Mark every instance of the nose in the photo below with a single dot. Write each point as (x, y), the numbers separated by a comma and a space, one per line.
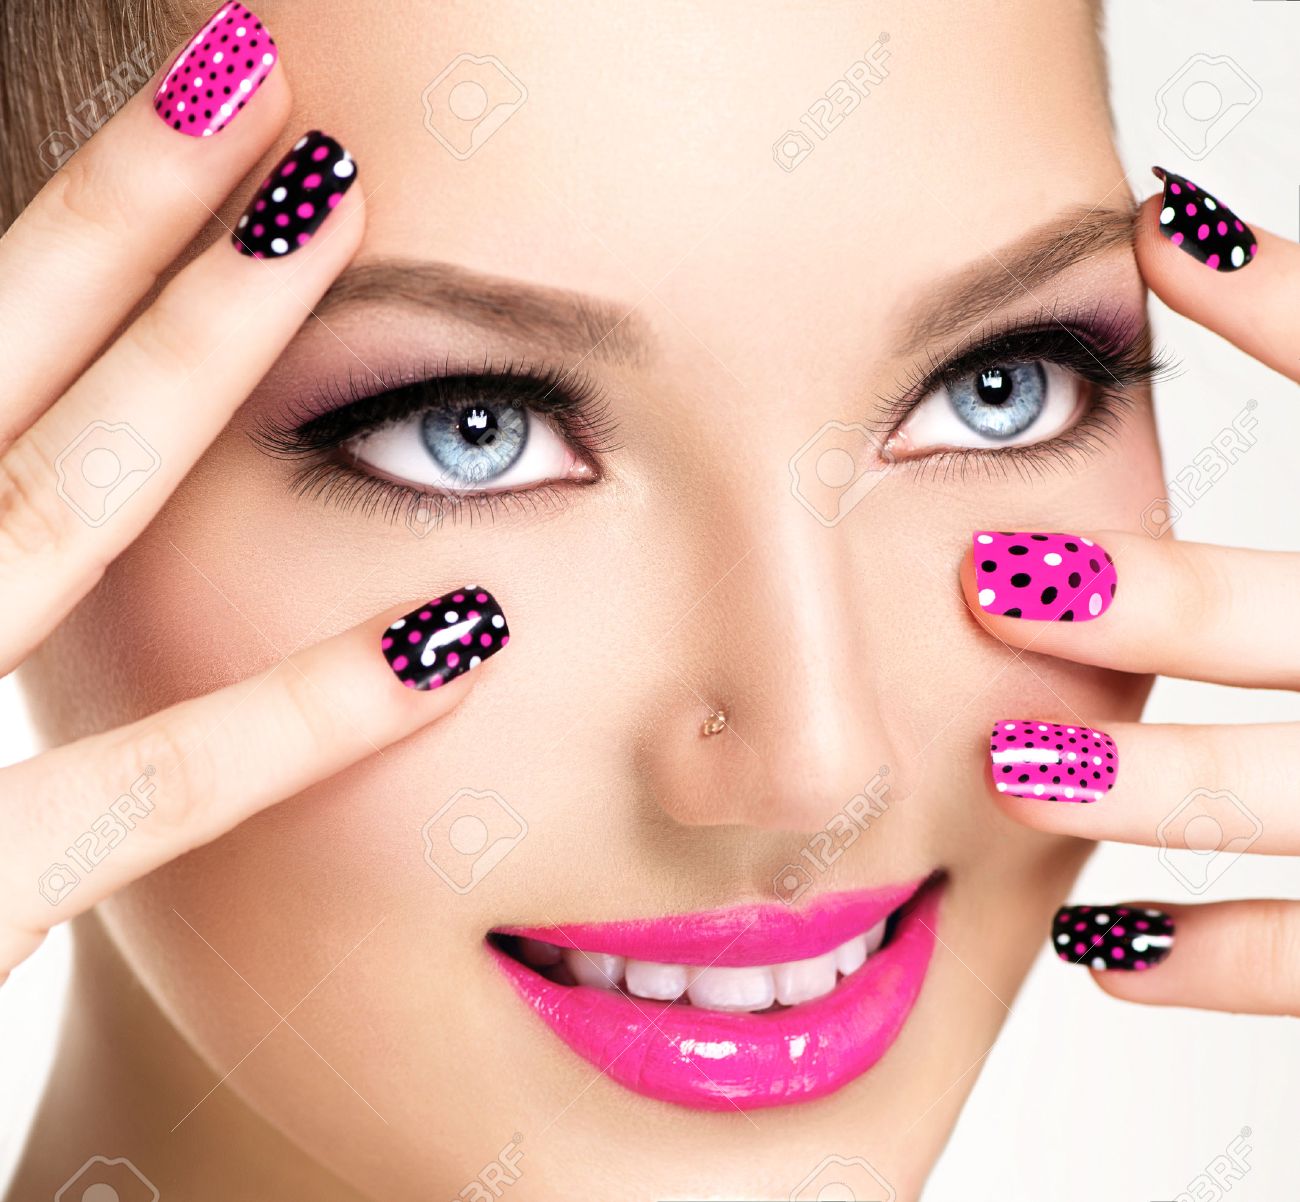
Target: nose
(779, 642)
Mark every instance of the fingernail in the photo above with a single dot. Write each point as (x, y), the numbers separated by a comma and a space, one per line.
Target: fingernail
(214, 76)
(1125, 937)
(1200, 224)
(445, 638)
(1045, 577)
(296, 197)
(1050, 762)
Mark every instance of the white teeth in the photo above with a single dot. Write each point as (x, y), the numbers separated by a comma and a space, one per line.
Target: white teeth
(595, 968)
(851, 955)
(876, 936)
(803, 980)
(733, 988)
(656, 982)
(539, 954)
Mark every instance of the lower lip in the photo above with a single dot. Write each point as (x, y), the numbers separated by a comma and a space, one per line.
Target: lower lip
(710, 1060)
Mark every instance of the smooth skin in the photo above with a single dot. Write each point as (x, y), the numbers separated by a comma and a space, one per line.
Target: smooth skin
(1213, 602)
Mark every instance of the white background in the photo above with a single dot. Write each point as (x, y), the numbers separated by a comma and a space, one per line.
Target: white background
(1082, 1098)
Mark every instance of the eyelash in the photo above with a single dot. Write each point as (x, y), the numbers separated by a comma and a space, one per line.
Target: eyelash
(1102, 350)
(315, 432)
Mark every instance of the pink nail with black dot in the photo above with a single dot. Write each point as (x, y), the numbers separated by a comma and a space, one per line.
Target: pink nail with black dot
(446, 638)
(1202, 225)
(292, 202)
(1048, 761)
(1043, 577)
(217, 72)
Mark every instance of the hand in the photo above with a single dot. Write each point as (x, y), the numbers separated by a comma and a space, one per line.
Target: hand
(73, 268)
(1179, 609)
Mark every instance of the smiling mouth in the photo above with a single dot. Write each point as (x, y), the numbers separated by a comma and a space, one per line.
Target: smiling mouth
(744, 1007)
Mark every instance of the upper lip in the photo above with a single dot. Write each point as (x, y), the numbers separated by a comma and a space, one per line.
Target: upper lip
(737, 936)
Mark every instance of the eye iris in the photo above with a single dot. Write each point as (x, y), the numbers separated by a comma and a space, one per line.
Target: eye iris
(477, 443)
(1000, 401)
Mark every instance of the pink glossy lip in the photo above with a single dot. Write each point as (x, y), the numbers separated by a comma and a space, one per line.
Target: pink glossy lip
(710, 1060)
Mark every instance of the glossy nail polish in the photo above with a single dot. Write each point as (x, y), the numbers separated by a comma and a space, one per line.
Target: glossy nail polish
(214, 76)
(295, 198)
(445, 638)
(1108, 937)
(1045, 577)
(1200, 224)
(1050, 762)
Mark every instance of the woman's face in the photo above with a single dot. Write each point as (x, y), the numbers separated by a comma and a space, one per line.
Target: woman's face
(742, 514)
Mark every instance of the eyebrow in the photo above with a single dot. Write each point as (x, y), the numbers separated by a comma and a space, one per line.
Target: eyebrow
(570, 321)
(957, 304)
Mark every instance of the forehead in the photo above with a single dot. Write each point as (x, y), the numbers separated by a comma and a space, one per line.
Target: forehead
(823, 153)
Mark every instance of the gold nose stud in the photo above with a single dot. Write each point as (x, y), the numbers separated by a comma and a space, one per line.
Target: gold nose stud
(714, 724)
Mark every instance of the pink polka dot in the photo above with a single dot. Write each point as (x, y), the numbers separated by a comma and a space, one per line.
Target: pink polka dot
(257, 208)
(452, 659)
(413, 637)
(467, 639)
(436, 601)
(425, 615)
(436, 682)
(1139, 964)
(1175, 189)
(258, 230)
(290, 167)
(282, 219)
(410, 684)
(473, 614)
(1238, 224)
(386, 644)
(1177, 239)
(1117, 953)
(303, 239)
(1253, 249)
(458, 597)
(1096, 939)
(1117, 930)
(1212, 262)
(1202, 232)
(400, 662)
(320, 152)
(335, 197)
(1079, 949)
(1142, 924)
(312, 181)
(1222, 227)
(1191, 209)
(305, 210)
(480, 597)
(485, 640)
(505, 640)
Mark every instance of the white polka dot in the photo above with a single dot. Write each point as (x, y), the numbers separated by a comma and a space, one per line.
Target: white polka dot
(1069, 730)
(451, 616)
(1008, 726)
(1094, 604)
(1069, 755)
(498, 621)
(398, 624)
(1096, 759)
(1151, 913)
(246, 85)
(1101, 919)
(343, 168)
(216, 58)
(1042, 728)
(1052, 559)
(1140, 943)
(180, 106)
(474, 661)
(268, 59)
(207, 133)
(243, 221)
(1238, 256)
(1038, 790)
(1087, 542)
(1166, 215)
(984, 538)
(1209, 203)
(198, 81)
(227, 109)
(239, 33)
(1069, 794)
(1001, 787)
(279, 245)
(1063, 938)
(1098, 962)
(279, 194)
(987, 596)
(300, 143)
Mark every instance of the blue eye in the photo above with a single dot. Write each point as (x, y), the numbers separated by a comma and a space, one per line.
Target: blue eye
(475, 444)
(998, 405)
(1000, 401)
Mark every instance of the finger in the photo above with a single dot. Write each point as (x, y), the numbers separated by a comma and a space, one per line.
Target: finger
(1239, 956)
(186, 775)
(1204, 262)
(1219, 791)
(1201, 612)
(110, 221)
(162, 392)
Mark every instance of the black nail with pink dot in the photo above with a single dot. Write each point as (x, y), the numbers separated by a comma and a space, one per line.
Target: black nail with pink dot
(1203, 225)
(446, 638)
(1127, 938)
(302, 190)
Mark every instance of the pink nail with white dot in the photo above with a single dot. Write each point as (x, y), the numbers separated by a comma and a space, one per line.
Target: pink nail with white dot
(217, 72)
(1050, 761)
(1043, 577)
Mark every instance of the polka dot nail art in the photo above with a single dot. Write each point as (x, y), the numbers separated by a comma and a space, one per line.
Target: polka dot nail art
(1050, 762)
(1045, 577)
(296, 197)
(217, 72)
(1203, 226)
(1129, 938)
(445, 638)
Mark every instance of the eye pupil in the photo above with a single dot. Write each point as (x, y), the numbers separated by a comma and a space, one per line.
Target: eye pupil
(993, 386)
(478, 427)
